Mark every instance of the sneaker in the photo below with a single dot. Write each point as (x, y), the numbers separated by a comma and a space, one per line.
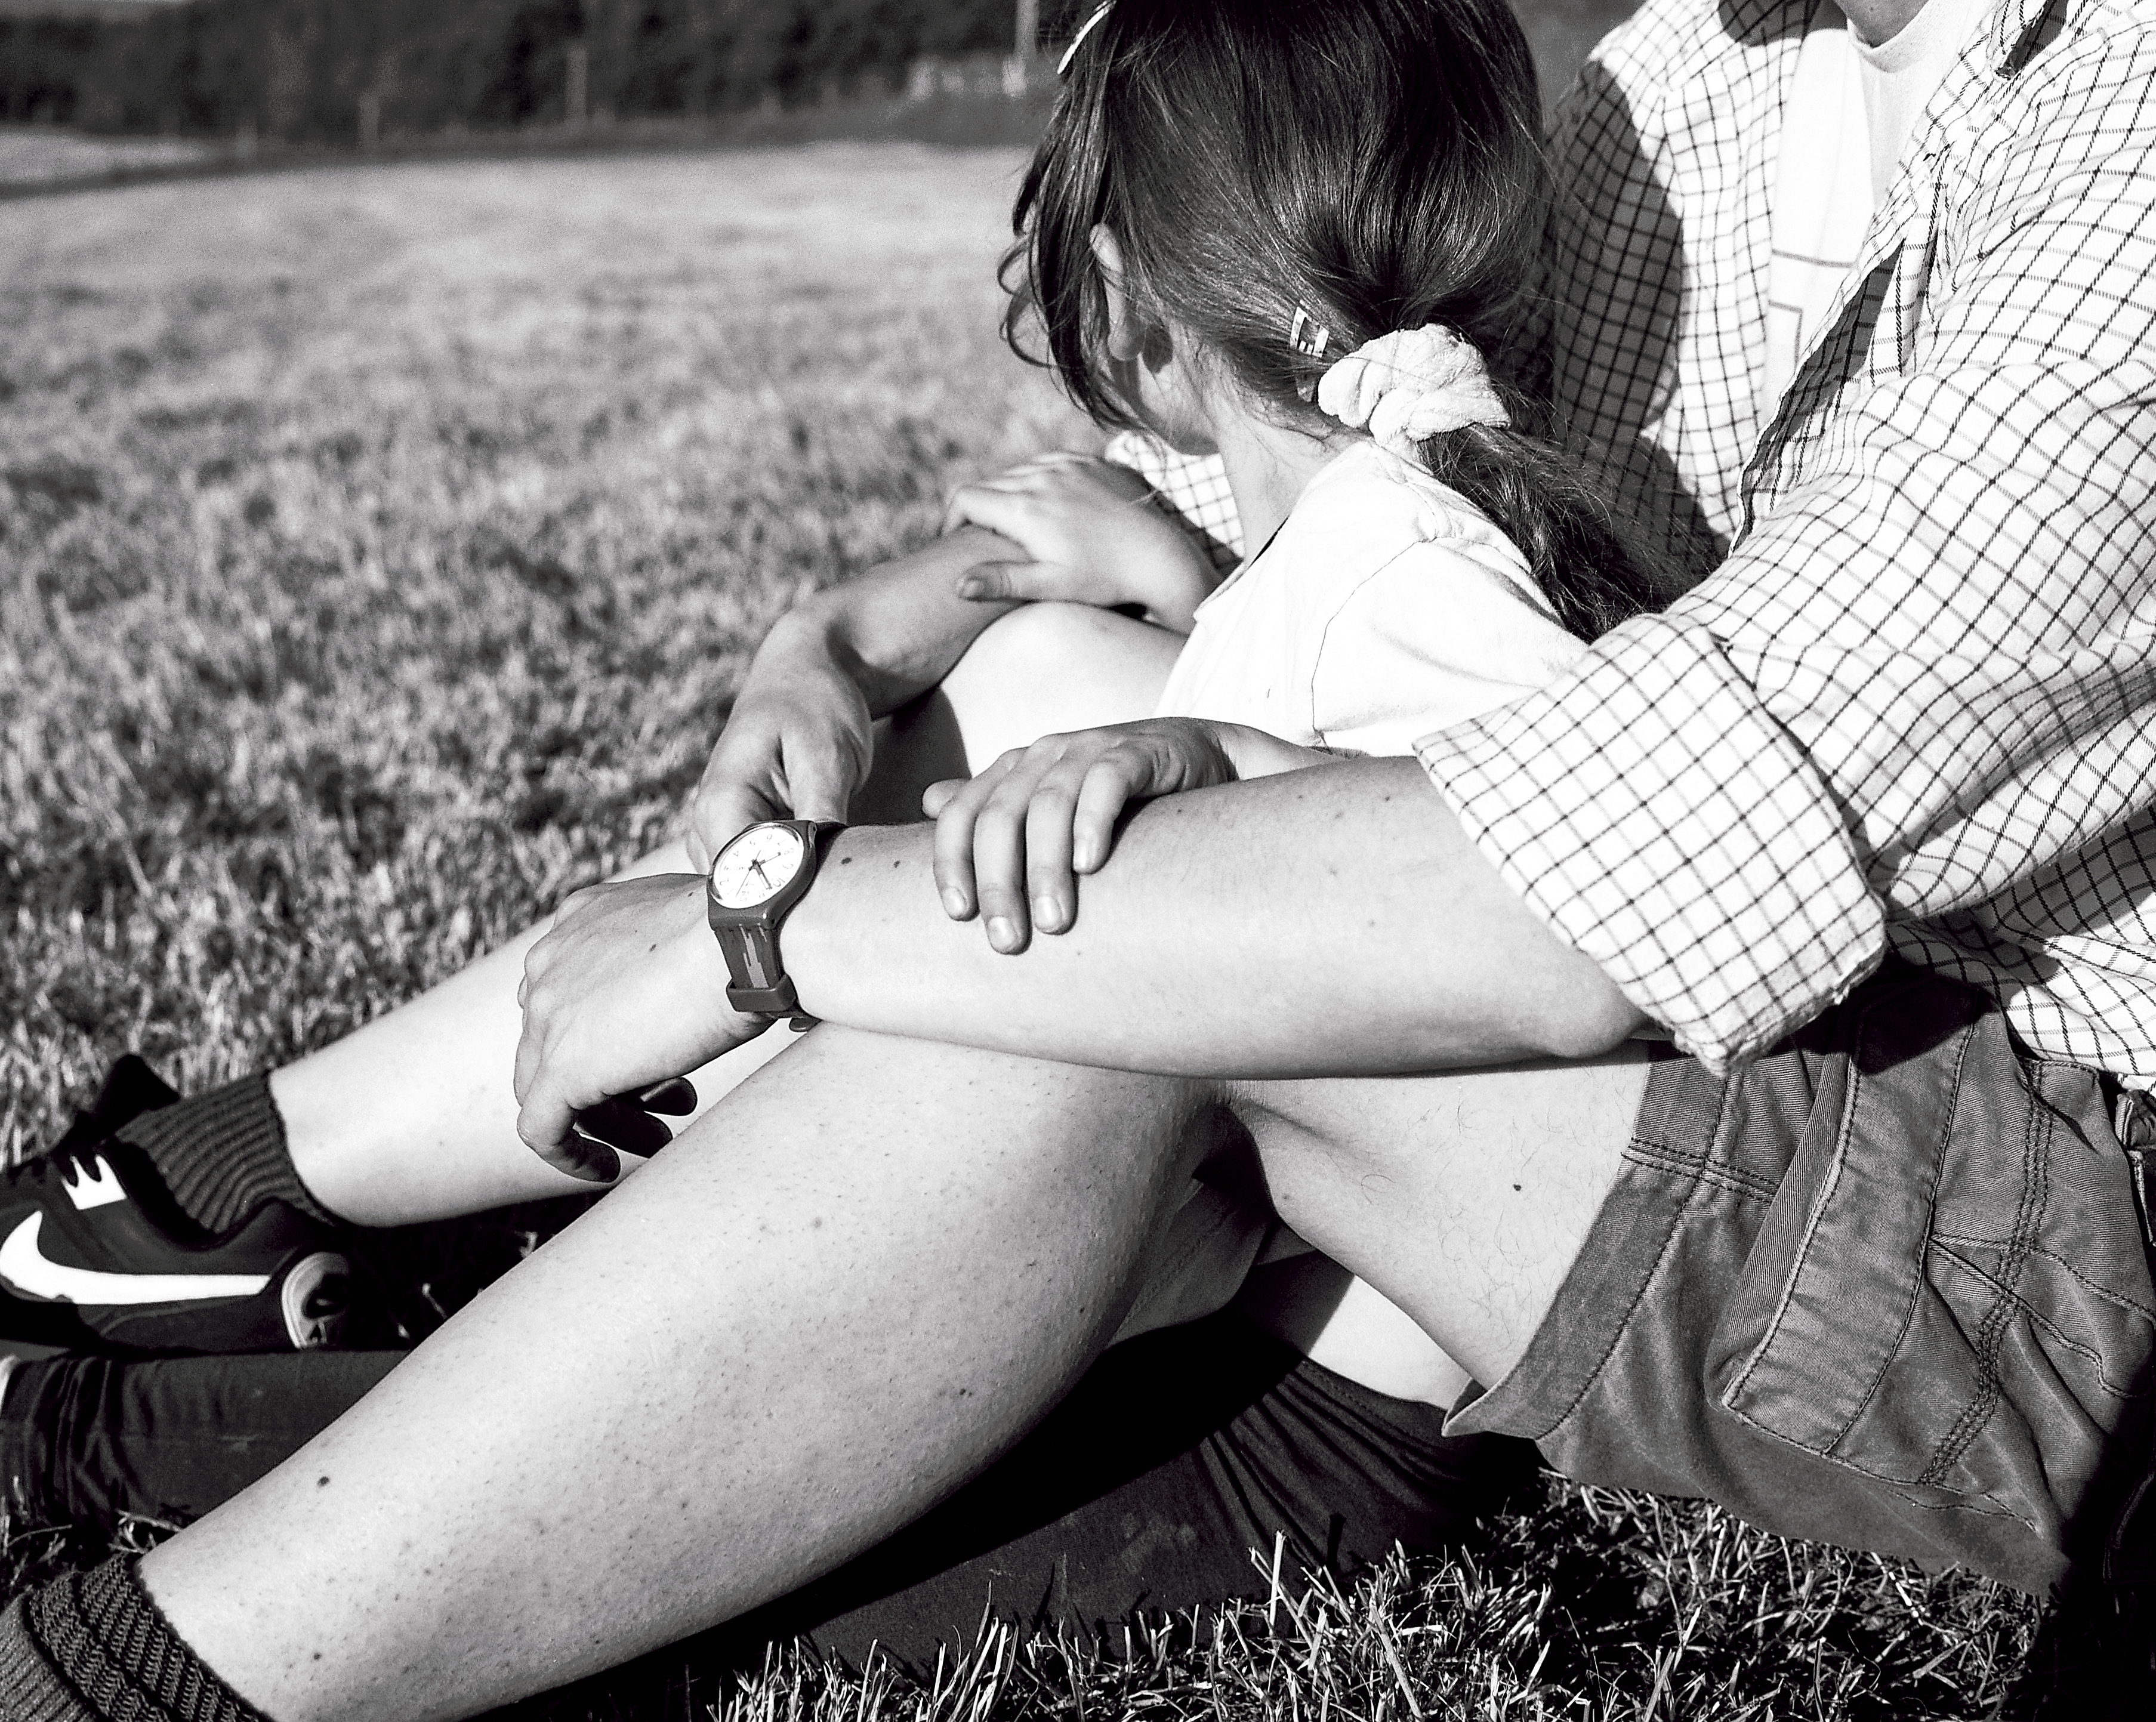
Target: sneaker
(130, 1088)
(92, 1257)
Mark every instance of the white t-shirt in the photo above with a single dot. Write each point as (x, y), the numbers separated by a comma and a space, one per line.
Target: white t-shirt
(1385, 606)
(1851, 110)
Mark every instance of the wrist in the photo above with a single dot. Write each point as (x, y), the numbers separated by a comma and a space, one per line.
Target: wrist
(754, 885)
(822, 943)
(811, 633)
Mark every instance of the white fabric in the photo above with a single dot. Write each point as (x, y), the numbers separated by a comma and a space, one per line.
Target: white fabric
(1386, 605)
(1852, 109)
(1900, 76)
(1411, 384)
(1822, 198)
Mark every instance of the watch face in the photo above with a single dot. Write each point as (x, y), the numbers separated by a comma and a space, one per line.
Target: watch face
(756, 865)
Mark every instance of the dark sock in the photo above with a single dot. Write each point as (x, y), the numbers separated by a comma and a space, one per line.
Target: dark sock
(32, 1691)
(222, 1154)
(93, 1648)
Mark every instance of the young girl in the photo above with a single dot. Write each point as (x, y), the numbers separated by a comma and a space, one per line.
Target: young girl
(1281, 236)
(1285, 235)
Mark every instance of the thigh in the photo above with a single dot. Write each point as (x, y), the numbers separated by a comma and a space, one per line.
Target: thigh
(847, 1290)
(1462, 1196)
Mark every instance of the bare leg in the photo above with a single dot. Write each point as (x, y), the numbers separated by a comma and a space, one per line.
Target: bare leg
(412, 1117)
(863, 1277)
(1464, 1198)
(774, 1346)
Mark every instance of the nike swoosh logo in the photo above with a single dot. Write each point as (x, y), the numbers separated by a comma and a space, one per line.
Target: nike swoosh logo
(30, 1270)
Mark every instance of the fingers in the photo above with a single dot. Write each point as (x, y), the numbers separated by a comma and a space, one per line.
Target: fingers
(547, 1124)
(619, 1122)
(979, 850)
(989, 583)
(816, 778)
(937, 796)
(1110, 784)
(1005, 841)
(1051, 889)
(674, 1098)
(1010, 843)
(999, 858)
(951, 854)
(1019, 582)
(986, 503)
(597, 1136)
(722, 811)
(820, 783)
(593, 1159)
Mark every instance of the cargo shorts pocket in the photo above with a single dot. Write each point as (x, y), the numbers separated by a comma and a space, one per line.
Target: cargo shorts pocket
(1948, 1293)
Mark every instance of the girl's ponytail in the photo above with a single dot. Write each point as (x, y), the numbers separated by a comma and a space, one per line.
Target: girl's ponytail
(1427, 395)
(1592, 572)
(1289, 180)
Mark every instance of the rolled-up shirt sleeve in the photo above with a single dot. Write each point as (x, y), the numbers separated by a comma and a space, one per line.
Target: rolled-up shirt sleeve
(1659, 819)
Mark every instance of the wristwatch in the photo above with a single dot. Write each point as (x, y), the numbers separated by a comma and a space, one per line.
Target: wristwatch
(755, 881)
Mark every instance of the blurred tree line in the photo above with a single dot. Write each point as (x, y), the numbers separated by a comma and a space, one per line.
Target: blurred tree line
(329, 71)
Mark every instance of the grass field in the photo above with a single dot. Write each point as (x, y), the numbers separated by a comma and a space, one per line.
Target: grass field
(379, 548)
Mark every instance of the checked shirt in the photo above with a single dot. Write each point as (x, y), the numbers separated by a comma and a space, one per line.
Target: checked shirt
(1910, 705)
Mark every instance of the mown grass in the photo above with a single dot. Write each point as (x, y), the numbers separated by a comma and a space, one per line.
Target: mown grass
(377, 550)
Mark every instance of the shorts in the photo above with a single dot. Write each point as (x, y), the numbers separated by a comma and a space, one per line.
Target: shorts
(1888, 1287)
(1188, 1467)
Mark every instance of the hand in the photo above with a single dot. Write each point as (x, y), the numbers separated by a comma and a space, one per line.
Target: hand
(1093, 535)
(627, 988)
(1026, 828)
(628, 1123)
(797, 746)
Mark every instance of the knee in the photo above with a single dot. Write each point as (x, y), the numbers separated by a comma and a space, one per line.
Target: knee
(1047, 667)
(1044, 644)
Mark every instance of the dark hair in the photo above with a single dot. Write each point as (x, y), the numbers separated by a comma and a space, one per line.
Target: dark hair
(1376, 162)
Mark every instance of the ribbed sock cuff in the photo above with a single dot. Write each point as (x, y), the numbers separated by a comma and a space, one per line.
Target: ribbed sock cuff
(222, 1155)
(109, 1648)
(30, 1691)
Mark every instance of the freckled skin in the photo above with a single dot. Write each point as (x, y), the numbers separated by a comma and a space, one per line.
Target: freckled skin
(816, 1390)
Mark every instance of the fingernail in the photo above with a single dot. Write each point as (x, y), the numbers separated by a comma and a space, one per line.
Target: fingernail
(969, 588)
(955, 903)
(1002, 932)
(596, 1162)
(1047, 914)
(676, 1097)
(593, 1171)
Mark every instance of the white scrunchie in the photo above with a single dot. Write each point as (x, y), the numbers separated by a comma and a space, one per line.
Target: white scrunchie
(1411, 384)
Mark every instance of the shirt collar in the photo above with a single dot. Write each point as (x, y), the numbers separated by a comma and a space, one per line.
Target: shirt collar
(2021, 27)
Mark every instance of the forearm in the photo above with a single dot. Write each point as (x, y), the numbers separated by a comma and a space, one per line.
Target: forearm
(898, 629)
(1317, 922)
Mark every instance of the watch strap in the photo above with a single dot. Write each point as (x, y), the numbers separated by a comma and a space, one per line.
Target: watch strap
(757, 984)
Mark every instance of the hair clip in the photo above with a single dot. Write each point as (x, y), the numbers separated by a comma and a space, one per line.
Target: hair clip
(1085, 30)
(1307, 337)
